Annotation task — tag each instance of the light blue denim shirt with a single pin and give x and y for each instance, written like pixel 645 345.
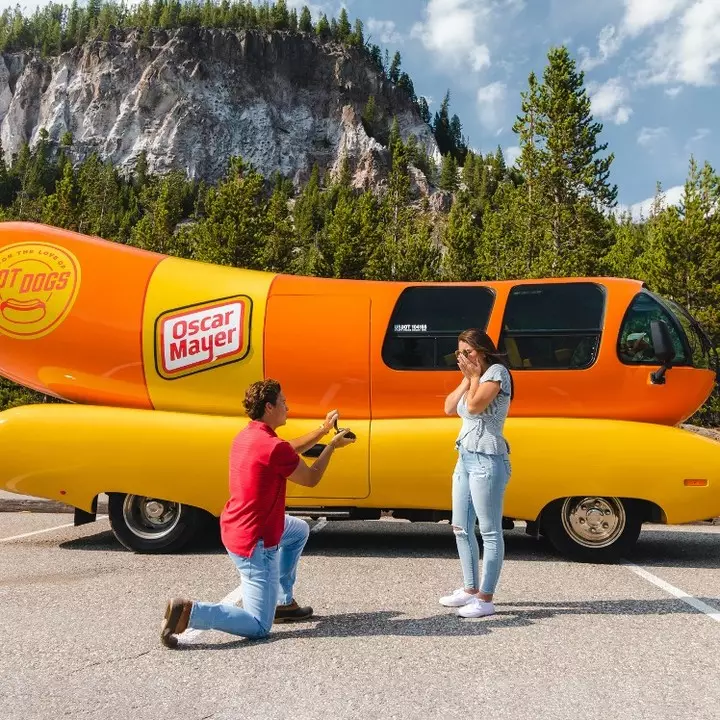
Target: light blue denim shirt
pixel 483 432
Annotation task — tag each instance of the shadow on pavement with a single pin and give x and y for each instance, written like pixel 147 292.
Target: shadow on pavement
pixel 658 548
pixel 514 615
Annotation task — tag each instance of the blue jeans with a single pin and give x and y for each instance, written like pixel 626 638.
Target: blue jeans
pixel 479 483
pixel 268 577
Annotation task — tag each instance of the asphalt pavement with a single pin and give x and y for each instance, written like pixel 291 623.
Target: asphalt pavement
pixel 80 619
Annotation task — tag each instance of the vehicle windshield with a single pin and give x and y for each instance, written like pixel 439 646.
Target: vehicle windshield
pixel 703 353
pixel 635 341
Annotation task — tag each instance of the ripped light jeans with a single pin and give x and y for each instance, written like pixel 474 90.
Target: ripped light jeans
pixel 478 489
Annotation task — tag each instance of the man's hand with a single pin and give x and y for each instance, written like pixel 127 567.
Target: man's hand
pixel 330 419
pixel 340 441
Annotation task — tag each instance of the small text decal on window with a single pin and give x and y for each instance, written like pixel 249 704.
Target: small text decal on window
pixel 410 328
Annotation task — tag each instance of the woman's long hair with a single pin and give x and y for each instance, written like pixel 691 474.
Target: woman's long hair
pixel 483 343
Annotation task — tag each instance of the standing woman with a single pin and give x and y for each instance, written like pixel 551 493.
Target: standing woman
pixel 482 471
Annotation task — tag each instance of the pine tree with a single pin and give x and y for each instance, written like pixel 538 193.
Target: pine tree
pixel 424 110
pixel 6 189
pixel 61 206
pixel 394 72
pixel 441 126
pixel 305 20
pixel 460 240
pixel 344 28
pixel 369 116
pixel 279 15
pixel 233 231
pixel 310 230
pixel 449 173
pixel 277 252
pixel 566 184
pixel 357 38
pixel 323 26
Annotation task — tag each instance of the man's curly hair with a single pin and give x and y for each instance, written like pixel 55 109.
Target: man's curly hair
pixel 258 395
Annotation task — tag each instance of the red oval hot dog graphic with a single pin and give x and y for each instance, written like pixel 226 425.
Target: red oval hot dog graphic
pixel 23 312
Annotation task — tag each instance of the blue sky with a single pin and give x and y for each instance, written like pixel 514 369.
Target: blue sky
pixel 652 69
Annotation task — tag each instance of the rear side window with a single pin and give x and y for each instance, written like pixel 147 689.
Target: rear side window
pixel 635 340
pixel 425 324
pixel 553 326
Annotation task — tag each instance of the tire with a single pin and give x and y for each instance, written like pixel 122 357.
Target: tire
pixel 151 525
pixel 592 529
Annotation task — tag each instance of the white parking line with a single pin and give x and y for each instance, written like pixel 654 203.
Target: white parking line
pixel 704 608
pixel 35 532
pixel 46 530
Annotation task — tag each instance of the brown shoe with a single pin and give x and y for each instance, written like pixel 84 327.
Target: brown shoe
pixel 177 617
pixel 292 612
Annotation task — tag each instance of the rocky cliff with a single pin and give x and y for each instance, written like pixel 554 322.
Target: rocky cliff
pixel 193 97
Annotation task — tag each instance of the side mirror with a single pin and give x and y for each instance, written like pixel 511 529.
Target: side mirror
pixel 663 349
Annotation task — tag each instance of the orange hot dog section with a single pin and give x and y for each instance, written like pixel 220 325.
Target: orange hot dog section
pixel 101 323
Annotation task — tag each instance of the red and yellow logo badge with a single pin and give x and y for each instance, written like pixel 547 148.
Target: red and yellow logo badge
pixel 38 286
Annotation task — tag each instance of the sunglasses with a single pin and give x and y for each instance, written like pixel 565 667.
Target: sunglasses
pixel 466 353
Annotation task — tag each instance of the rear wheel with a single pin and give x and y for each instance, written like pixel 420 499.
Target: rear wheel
pixel 148 524
pixel 592 529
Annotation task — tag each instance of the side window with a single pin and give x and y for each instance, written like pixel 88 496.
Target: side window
pixel 553 326
pixel 635 340
pixel 426 322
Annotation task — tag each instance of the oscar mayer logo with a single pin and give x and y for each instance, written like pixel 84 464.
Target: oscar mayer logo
pixel 39 283
pixel 203 336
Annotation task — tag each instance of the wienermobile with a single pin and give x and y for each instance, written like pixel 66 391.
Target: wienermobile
pixel 154 353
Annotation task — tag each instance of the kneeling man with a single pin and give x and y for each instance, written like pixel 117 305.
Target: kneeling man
pixel 264 543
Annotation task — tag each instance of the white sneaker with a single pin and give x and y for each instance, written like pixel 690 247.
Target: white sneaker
pixel 457 599
pixel 476 608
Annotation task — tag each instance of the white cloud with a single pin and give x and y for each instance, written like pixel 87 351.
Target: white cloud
pixel 315 9
pixel 672 195
pixel 687 51
pixel 673 92
pixel 648 137
pixel 699 135
pixel 451 29
pixel 383 30
pixel 642 14
pixel 512 153
pixel 491 104
pixel 513 6
pixel 609 42
pixel 610 101
pixel 639 16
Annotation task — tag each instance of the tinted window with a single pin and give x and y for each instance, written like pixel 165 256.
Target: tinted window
pixel 570 306
pixel 635 341
pixel 553 326
pixel 423 329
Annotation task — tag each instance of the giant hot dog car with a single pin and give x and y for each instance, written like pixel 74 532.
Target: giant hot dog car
pixel 154 353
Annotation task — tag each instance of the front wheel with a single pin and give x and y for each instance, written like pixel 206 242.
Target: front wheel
pixel 151 525
pixel 592 529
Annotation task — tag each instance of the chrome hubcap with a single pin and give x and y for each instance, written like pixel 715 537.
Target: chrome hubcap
pixel 150 518
pixel 593 522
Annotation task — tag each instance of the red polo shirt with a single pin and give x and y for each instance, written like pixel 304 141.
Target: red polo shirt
pixel 260 463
